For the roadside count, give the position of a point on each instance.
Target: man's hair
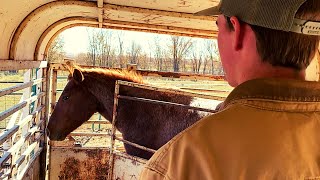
(288, 49)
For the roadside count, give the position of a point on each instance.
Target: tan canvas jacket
(268, 129)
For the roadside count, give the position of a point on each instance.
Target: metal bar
(10, 90)
(10, 82)
(19, 106)
(18, 144)
(8, 133)
(20, 160)
(20, 176)
(22, 123)
(5, 175)
(88, 134)
(114, 119)
(53, 89)
(12, 110)
(45, 145)
(6, 65)
(31, 116)
(166, 103)
(175, 91)
(97, 122)
(135, 145)
(14, 148)
(205, 90)
(37, 127)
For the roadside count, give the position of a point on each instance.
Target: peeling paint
(92, 163)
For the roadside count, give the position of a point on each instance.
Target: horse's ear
(77, 75)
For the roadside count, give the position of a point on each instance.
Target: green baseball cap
(273, 14)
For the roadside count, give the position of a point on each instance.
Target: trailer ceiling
(28, 26)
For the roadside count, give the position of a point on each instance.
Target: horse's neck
(104, 95)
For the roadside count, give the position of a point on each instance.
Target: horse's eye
(65, 98)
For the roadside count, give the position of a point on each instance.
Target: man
(269, 127)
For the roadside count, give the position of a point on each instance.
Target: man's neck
(269, 71)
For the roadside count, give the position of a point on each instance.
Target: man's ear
(238, 33)
(77, 75)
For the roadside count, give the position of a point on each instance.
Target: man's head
(255, 40)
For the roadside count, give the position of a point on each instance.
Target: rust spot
(70, 169)
(95, 166)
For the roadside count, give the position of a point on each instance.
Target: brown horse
(92, 90)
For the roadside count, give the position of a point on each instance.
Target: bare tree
(196, 62)
(179, 48)
(100, 50)
(83, 59)
(212, 54)
(121, 57)
(134, 52)
(158, 53)
(56, 52)
(92, 47)
(143, 61)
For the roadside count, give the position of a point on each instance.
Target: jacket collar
(276, 89)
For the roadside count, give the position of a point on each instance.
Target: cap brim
(209, 12)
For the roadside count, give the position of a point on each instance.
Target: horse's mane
(121, 74)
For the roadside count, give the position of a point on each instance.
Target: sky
(76, 40)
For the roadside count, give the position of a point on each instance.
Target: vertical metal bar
(45, 114)
(54, 89)
(114, 118)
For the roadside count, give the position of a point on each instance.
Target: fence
(23, 140)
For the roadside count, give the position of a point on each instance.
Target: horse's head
(75, 106)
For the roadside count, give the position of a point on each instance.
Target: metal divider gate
(23, 153)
